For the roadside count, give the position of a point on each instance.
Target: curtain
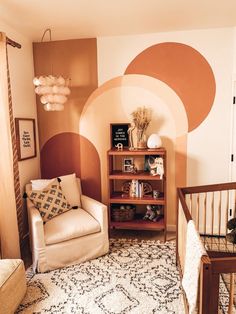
(9, 235)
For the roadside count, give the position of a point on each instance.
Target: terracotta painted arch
(185, 70)
(67, 153)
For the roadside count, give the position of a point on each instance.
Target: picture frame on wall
(25, 138)
(119, 134)
(128, 164)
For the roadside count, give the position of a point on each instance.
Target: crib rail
(210, 206)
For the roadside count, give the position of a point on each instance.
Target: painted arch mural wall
(173, 78)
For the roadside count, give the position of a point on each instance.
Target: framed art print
(25, 138)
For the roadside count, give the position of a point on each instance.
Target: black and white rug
(135, 277)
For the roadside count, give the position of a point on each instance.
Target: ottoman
(12, 284)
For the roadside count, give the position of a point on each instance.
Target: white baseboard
(171, 228)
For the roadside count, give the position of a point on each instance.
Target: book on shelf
(138, 189)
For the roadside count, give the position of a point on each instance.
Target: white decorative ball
(61, 81)
(60, 99)
(64, 90)
(42, 80)
(43, 99)
(154, 141)
(36, 81)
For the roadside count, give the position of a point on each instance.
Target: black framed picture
(128, 164)
(25, 138)
(119, 134)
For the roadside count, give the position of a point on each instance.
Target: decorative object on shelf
(153, 213)
(119, 146)
(131, 140)
(52, 89)
(156, 166)
(123, 212)
(128, 164)
(155, 194)
(119, 134)
(134, 169)
(135, 188)
(154, 141)
(141, 119)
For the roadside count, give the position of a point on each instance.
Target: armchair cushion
(70, 225)
(50, 202)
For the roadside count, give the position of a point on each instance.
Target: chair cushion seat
(70, 225)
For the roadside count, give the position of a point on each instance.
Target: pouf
(12, 284)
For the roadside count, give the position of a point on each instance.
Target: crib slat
(234, 211)
(219, 213)
(197, 211)
(212, 212)
(226, 211)
(190, 202)
(231, 294)
(205, 212)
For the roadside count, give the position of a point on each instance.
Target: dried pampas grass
(142, 117)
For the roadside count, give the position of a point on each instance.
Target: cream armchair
(73, 237)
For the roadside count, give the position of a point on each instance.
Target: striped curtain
(10, 198)
(16, 176)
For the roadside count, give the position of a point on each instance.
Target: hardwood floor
(141, 235)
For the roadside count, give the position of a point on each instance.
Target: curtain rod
(13, 43)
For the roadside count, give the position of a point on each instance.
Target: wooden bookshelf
(116, 176)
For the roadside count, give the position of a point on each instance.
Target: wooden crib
(210, 207)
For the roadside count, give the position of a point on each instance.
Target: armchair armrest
(97, 210)
(37, 239)
(36, 226)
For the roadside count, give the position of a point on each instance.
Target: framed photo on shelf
(119, 134)
(128, 164)
(25, 138)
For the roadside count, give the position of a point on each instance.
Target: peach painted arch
(185, 70)
(174, 102)
(116, 99)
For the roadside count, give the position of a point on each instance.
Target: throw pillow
(50, 202)
(69, 187)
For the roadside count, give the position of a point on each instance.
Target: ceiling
(93, 18)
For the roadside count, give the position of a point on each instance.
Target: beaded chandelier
(53, 91)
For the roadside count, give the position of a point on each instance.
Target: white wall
(23, 96)
(208, 148)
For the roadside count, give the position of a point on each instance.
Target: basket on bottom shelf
(122, 212)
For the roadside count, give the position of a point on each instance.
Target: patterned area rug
(135, 277)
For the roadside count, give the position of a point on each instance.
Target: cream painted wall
(208, 145)
(23, 97)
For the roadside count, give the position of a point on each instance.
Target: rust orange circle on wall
(185, 70)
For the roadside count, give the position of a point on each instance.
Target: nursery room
(118, 172)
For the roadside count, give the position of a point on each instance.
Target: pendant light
(53, 90)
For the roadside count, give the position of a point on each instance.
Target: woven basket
(124, 214)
